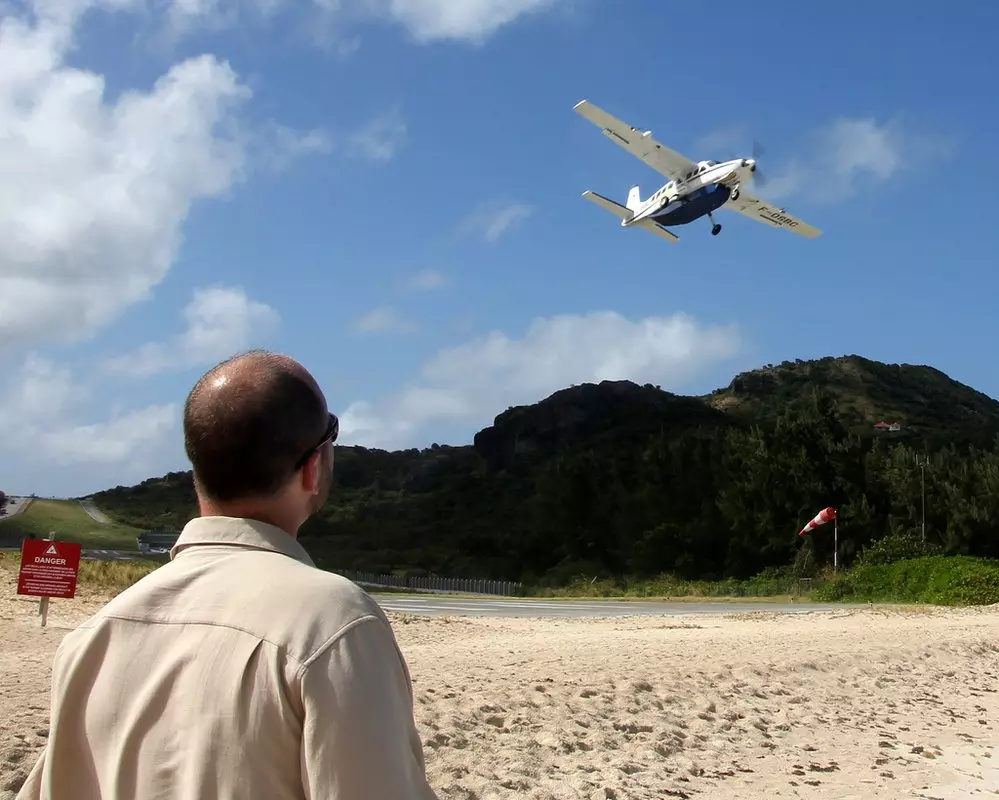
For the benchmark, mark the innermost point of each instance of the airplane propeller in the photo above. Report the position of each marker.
(758, 177)
(758, 151)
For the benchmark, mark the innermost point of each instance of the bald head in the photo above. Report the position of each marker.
(248, 422)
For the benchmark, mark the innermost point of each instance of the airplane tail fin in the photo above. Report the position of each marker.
(634, 199)
(627, 215)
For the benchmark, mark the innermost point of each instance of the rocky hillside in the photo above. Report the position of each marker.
(617, 478)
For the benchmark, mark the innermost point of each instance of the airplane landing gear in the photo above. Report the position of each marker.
(715, 227)
(735, 193)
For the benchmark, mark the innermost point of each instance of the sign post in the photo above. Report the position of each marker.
(48, 569)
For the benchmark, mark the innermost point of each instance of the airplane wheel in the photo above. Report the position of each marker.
(715, 230)
(664, 202)
(735, 195)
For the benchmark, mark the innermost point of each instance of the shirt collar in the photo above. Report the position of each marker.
(239, 532)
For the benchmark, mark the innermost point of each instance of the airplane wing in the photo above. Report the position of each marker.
(771, 215)
(626, 213)
(640, 144)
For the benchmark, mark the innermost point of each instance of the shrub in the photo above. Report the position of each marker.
(898, 547)
(938, 580)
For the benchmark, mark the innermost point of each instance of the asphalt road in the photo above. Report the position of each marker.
(95, 514)
(15, 505)
(513, 607)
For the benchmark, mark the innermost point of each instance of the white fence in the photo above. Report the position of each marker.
(435, 583)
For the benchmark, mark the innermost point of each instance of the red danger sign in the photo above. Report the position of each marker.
(48, 569)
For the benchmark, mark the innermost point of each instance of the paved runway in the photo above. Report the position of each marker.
(575, 609)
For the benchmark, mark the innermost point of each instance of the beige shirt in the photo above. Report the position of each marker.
(238, 671)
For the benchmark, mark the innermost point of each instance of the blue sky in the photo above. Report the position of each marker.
(392, 196)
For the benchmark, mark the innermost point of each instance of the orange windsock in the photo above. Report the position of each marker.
(824, 516)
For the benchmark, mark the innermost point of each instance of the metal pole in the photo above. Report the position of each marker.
(922, 488)
(921, 462)
(836, 545)
(43, 603)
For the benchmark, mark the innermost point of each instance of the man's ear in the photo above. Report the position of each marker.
(310, 474)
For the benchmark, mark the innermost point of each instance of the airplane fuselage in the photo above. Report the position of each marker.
(699, 193)
(693, 206)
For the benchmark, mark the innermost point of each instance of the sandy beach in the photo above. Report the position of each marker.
(851, 704)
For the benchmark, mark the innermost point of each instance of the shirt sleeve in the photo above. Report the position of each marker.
(359, 738)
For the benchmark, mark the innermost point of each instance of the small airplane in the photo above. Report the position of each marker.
(694, 190)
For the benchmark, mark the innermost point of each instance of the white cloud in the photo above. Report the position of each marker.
(721, 144)
(326, 23)
(492, 221)
(426, 21)
(469, 20)
(278, 145)
(134, 435)
(221, 321)
(851, 154)
(479, 379)
(40, 424)
(426, 280)
(381, 320)
(93, 194)
(380, 139)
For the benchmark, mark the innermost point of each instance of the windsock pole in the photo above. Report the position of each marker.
(824, 516)
(836, 544)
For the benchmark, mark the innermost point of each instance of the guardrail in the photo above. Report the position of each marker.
(434, 583)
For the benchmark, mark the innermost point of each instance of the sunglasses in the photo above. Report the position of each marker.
(332, 431)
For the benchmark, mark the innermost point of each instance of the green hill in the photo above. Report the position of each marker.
(927, 403)
(620, 479)
(70, 523)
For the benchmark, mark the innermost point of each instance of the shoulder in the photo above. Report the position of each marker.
(296, 606)
(333, 594)
(321, 607)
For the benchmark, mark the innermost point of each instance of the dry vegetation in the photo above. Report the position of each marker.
(96, 578)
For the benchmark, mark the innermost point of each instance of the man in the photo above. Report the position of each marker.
(238, 670)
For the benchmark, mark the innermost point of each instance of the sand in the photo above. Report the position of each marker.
(868, 703)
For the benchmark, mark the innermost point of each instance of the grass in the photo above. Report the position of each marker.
(70, 523)
(105, 577)
(934, 580)
(114, 576)
(761, 589)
